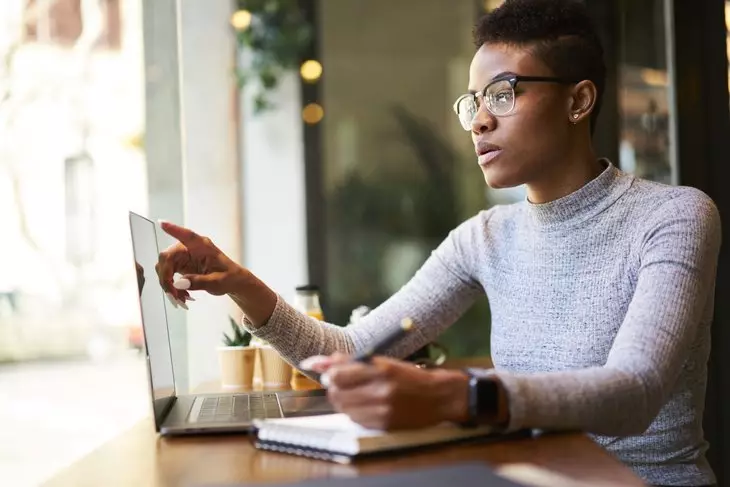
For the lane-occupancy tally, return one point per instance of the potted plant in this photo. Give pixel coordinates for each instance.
(237, 358)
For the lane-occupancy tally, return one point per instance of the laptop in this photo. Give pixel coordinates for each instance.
(202, 413)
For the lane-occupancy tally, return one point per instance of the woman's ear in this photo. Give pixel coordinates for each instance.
(582, 100)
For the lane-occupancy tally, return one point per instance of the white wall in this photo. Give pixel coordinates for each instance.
(272, 155)
(210, 162)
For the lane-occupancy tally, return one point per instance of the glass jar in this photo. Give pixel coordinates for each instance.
(306, 300)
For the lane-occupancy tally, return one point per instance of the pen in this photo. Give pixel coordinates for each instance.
(379, 347)
(406, 325)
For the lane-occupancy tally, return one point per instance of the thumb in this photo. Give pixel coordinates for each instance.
(200, 282)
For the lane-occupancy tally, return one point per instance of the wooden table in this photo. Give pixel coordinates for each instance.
(139, 458)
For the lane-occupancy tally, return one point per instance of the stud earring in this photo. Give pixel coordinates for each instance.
(576, 115)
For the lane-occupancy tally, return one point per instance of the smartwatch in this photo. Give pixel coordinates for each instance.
(483, 398)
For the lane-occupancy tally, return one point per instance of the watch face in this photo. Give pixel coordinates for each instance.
(484, 395)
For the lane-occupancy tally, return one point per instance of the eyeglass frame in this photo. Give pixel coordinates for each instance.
(513, 79)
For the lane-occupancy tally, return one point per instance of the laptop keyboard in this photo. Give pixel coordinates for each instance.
(245, 407)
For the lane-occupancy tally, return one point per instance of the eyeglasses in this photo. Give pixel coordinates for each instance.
(499, 96)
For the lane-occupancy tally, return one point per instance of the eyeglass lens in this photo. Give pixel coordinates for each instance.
(500, 99)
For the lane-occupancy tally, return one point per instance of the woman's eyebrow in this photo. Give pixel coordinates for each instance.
(503, 74)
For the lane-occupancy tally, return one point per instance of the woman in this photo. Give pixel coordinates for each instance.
(600, 284)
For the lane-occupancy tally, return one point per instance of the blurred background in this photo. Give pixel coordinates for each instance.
(314, 141)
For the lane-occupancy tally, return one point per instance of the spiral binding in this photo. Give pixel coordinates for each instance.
(315, 453)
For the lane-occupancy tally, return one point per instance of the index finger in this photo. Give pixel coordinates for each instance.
(184, 235)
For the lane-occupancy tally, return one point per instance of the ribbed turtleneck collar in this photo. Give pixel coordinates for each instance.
(595, 196)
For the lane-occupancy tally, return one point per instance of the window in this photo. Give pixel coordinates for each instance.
(62, 22)
(727, 25)
(70, 169)
(397, 170)
(645, 106)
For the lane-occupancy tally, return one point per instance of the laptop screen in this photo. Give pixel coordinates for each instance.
(154, 315)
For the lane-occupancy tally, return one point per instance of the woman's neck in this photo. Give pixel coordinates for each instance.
(572, 174)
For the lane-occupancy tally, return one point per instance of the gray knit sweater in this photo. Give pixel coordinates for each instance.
(601, 306)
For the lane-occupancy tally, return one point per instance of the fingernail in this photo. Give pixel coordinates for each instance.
(172, 300)
(324, 379)
(182, 305)
(190, 298)
(309, 362)
(182, 284)
(160, 221)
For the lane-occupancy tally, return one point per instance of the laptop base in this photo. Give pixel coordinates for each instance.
(193, 414)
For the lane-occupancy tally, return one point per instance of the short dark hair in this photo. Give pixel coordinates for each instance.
(559, 32)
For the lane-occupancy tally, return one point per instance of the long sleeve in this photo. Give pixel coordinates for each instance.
(440, 292)
(672, 301)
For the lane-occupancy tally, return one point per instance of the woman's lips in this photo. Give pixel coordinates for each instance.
(489, 156)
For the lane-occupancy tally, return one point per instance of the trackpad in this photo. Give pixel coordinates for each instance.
(305, 405)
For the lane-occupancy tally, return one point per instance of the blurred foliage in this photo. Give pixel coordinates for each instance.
(367, 217)
(277, 38)
(421, 204)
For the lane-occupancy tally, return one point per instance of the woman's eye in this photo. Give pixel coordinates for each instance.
(503, 96)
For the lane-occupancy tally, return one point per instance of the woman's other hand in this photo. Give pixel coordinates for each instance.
(392, 394)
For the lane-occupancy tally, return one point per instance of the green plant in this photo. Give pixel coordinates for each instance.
(277, 38)
(240, 338)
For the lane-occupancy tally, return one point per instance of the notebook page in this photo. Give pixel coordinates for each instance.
(337, 422)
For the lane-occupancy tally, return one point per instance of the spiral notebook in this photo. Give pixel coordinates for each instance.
(336, 438)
